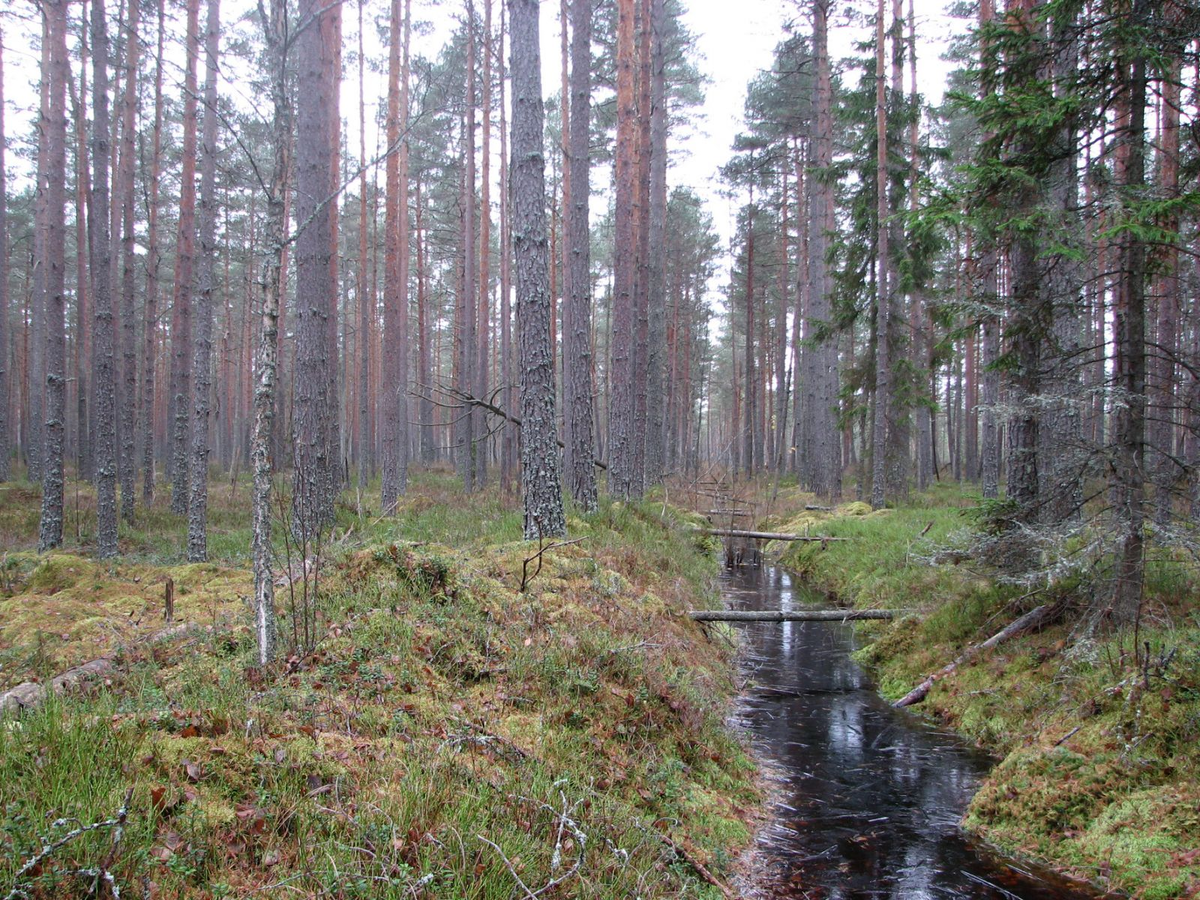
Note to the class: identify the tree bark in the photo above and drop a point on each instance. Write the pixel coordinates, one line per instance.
(883, 303)
(1129, 326)
(577, 310)
(315, 408)
(4, 354)
(54, 133)
(275, 33)
(508, 445)
(483, 320)
(153, 265)
(365, 296)
(104, 362)
(988, 290)
(394, 292)
(656, 311)
(465, 306)
(623, 479)
(1166, 470)
(202, 332)
(181, 320)
(539, 448)
(127, 468)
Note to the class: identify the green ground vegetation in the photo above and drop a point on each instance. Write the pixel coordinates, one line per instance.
(1097, 731)
(447, 734)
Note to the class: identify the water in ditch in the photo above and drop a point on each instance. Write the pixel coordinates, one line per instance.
(867, 799)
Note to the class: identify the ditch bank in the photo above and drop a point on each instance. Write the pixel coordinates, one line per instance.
(1099, 768)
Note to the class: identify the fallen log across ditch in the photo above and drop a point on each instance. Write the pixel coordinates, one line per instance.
(790, 615)
(768, 535)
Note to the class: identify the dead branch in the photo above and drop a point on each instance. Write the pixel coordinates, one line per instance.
(34, 862)
(460, 399)
(543, 548)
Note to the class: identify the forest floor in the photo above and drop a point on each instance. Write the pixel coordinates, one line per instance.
(1097, 732)
(445, 733)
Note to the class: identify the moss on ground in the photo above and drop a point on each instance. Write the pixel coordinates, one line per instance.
(449, 735)
(1098, 735)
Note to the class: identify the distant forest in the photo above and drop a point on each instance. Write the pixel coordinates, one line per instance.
(202, 276)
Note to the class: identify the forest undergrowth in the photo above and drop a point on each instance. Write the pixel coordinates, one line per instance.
(465, 721)
(1096, 731)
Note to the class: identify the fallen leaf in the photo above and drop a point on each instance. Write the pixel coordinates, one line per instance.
(158, 797)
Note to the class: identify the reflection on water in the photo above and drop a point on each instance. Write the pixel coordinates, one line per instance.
(871, 797)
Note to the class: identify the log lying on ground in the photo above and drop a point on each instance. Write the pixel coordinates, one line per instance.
(31, 694)
(1031, 621)
(768, 535)
(790, 615)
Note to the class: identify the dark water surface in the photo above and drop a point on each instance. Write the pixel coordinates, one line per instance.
(870, 798)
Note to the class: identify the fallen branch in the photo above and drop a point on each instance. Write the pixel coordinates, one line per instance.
(1031, 621)
(34, 863)
(698, 867)
(790, 615)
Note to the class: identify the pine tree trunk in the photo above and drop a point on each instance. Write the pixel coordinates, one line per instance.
(315, 408)
(203, 307)
(577, 309)
(1061, 459)
(104, 362)
(482, 325)
(623, 478)
(366, 299)
(424, 362)
(1165, 467)
(749, 424)
(655, 295)
(465, 306)
(83, 313)
(127, 468)
(153, 265)
(883, 303)
(1129, 326)
(509, 441)
(822, 413)
(988, 292)
(402, 347)
(540, 482)
(54, 134)
(641, 356)
(181, 320)
(4, 354)
(394, 292)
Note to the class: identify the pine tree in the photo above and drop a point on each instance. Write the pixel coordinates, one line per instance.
(104, 362)
(127, 466)
(624, 478)
(540, 483)
(153, 265)
(577, 308)
(203, 303)
(53, 133)
(5, 451)
(181, 317)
